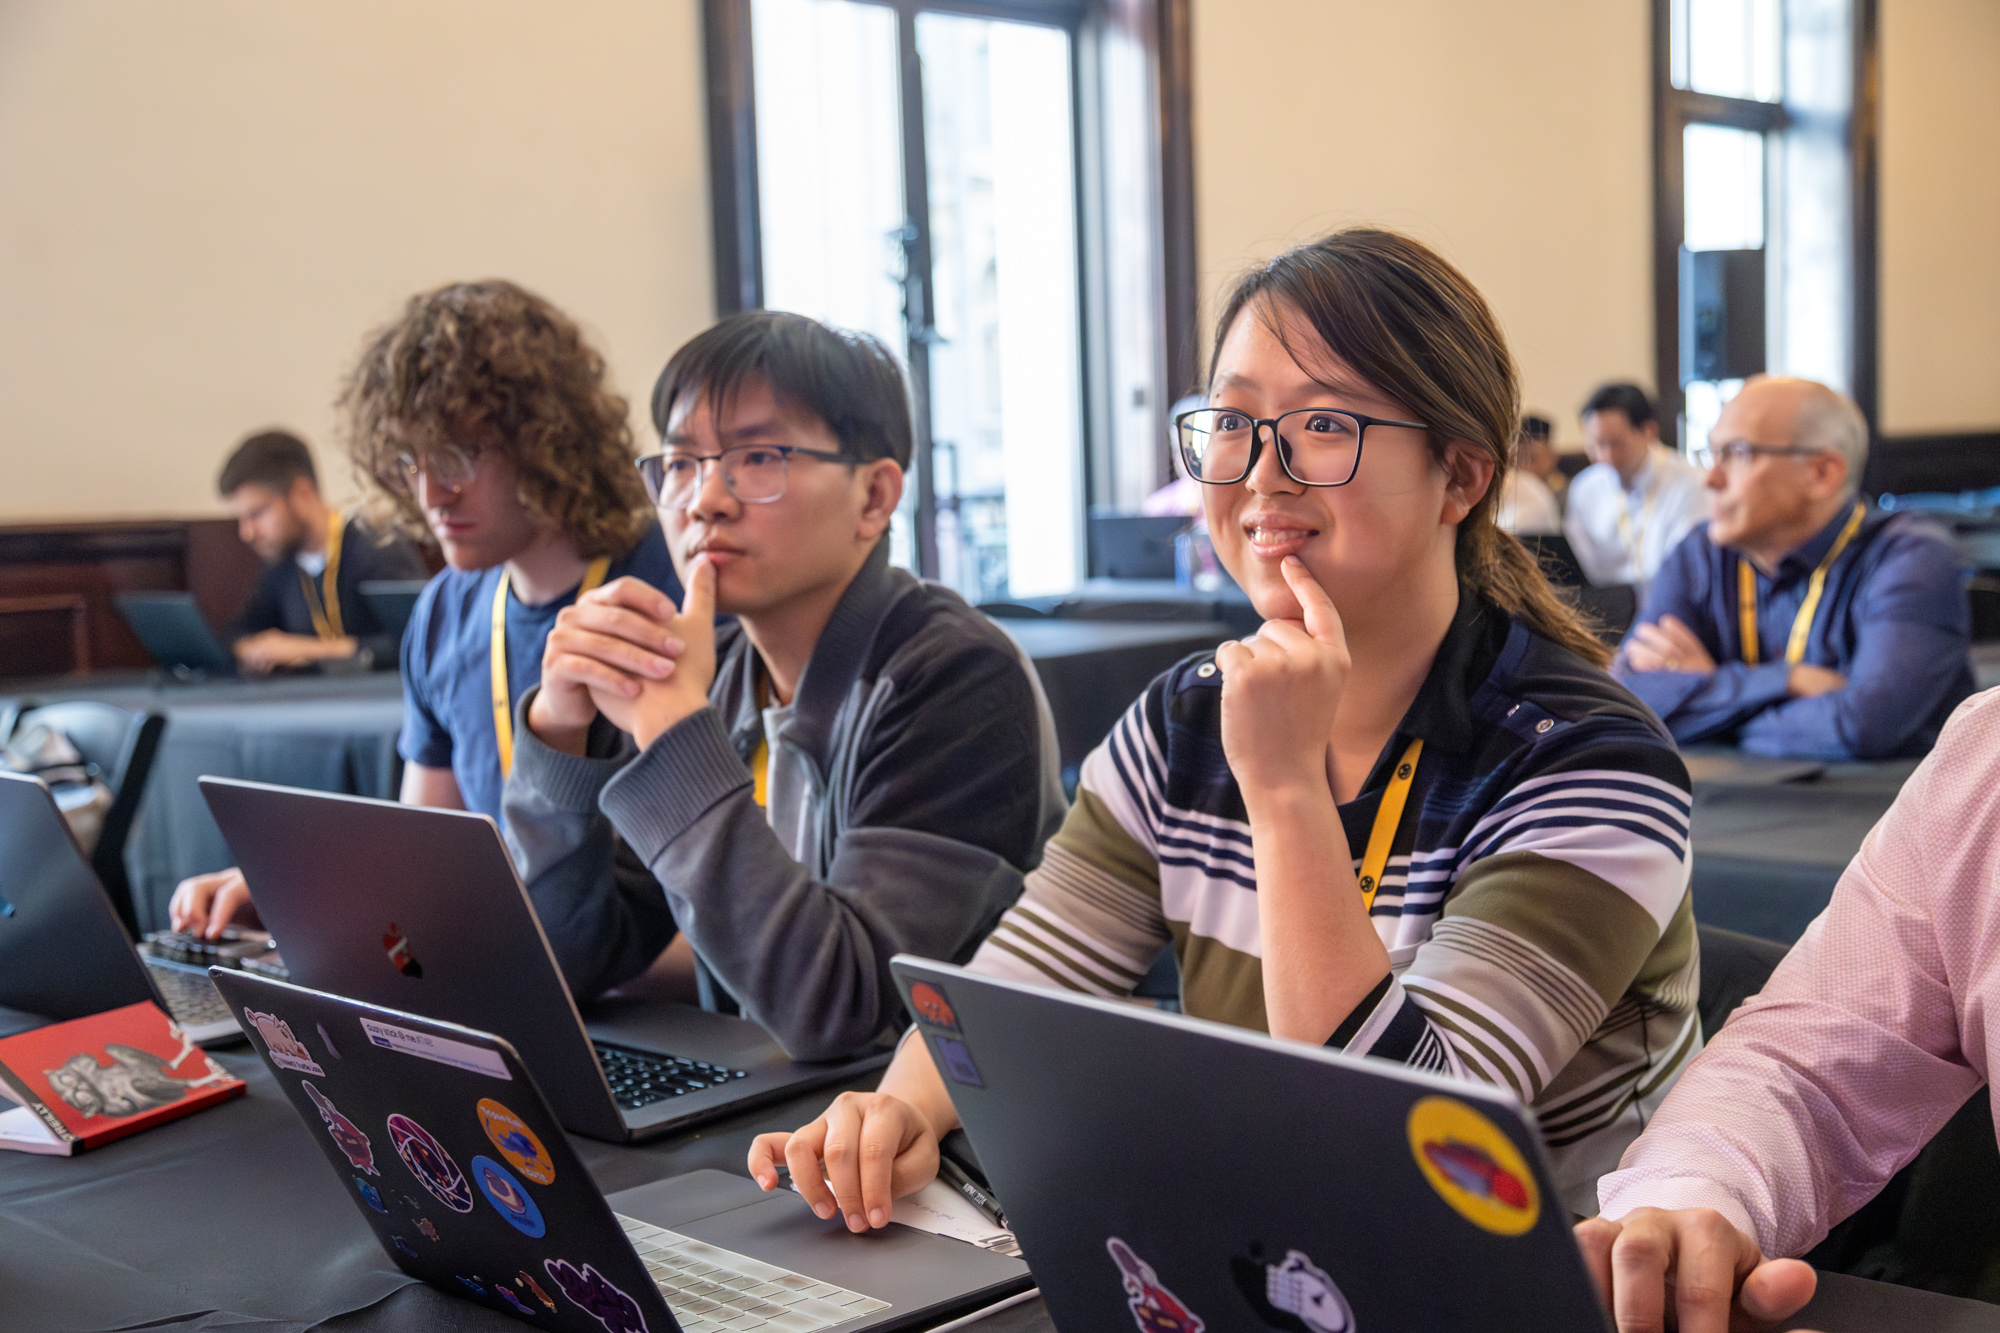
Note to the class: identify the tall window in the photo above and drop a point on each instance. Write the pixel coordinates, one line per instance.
(979, 187)
(1764, 225)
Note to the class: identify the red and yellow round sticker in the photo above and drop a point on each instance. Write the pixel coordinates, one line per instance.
(1474, 1167)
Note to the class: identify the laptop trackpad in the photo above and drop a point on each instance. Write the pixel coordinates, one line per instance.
(910, 1269)
(679, 1199)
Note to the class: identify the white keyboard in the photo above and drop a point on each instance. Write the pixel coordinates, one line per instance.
(711, 1289)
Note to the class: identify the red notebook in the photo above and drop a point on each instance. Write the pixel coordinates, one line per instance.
(86, 1082)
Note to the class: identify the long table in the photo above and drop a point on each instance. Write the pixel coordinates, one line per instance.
(229, 1219)
(1768, 854)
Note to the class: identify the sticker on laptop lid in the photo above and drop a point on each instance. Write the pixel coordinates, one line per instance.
(346, 1135)
(1154, 1308)
(404, 1247)
(430, 1232)
(371, 1194)
(507, 1295)
(958, 1063)
(604, 1302)
(1474, 1167)
(471, 1284)
(516, 1142)
(1293, 1293)
(430, 1163)
(931, 1006)
(508, 1197)
(457, 1054)
(534, 1288)
(287, 1051)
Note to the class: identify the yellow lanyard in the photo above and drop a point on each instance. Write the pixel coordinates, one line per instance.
(1388, 818)
(760, 758)
(1746, 597)
(1634, 544)
(503, 703)
(326, 610)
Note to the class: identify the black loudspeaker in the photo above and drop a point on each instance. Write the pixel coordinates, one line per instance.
(1722, 314)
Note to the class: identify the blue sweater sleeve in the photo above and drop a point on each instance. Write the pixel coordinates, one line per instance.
(1697, 706)
(1909, 653)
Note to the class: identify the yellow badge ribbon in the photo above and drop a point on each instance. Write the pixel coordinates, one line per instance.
(503, 702)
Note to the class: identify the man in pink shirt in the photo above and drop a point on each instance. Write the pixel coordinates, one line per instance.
(1871, 1033)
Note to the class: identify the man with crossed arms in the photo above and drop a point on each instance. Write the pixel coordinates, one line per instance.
(1799, 621)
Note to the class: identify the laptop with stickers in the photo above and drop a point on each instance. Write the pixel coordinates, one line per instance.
(63, 951)
(440, 1136)
(1173, 1175)
(420, 909)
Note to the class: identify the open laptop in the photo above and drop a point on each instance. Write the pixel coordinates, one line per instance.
(63, 951)
(420, 909)
(392, 601)
(175, 633)
(1169, 1173)
(441, 1138)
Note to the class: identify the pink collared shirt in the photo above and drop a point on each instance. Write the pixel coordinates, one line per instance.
(1871, 1033)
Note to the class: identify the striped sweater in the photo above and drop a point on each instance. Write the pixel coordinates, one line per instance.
(1535, 903)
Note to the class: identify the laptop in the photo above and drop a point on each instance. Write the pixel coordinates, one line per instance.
(441, 1138)
(63, 951)
(175, 633)
(420, 909)
(1170, 1173)
(392, 601)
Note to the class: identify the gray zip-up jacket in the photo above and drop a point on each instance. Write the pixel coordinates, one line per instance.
(911, 783)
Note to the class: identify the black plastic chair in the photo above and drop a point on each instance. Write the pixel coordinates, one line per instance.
(1609, 609)
(1733, 968)
(119, 746)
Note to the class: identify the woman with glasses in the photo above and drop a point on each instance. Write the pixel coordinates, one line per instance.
(482, 420)
(1412, 817)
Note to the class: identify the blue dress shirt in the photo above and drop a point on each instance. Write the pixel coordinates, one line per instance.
(1893, 619)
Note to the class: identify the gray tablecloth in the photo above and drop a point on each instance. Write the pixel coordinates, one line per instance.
(229, 1219)
(1767, 855)
(328, 733)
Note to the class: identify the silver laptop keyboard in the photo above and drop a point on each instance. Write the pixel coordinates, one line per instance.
(711, 1289)
(191, 997)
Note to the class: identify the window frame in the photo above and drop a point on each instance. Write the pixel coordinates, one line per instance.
(1163, 29)
(1676, 108)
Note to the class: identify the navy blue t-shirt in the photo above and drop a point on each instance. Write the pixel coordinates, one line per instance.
(448, 673)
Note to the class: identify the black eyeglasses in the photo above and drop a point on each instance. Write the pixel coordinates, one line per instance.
(1316, 446)
(756, 474)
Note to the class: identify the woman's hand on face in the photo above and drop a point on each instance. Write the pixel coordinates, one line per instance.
(1281, 690)
(864, 1152)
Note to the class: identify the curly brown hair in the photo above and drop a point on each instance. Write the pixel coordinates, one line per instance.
(491, 364)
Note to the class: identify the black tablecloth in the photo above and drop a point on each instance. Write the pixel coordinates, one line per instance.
(229, 1219)
(1092, 670)
(1767, 855)
(327, 733)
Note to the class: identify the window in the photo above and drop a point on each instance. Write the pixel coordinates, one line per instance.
(1765, 210)
(981, 188)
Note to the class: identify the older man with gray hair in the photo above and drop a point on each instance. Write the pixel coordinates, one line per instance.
(1798, 620)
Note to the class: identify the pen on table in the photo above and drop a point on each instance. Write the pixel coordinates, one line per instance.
(955, 1176)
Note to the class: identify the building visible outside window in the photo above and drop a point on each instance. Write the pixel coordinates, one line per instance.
(1756, 111)
(980, 191)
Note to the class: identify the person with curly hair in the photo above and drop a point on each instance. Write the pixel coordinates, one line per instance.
(858, 765)
(482, 419)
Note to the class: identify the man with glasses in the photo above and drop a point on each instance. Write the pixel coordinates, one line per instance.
(1799, 621)
(859, 765)
(483, 420)
(307, 609)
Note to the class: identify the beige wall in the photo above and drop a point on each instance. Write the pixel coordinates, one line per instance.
(205, 204)
(1940, 242)
(1513, 137)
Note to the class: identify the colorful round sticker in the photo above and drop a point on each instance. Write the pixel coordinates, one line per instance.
(507, 1196)
(1474, 1167)
(430, 1163)
(516, 1142)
